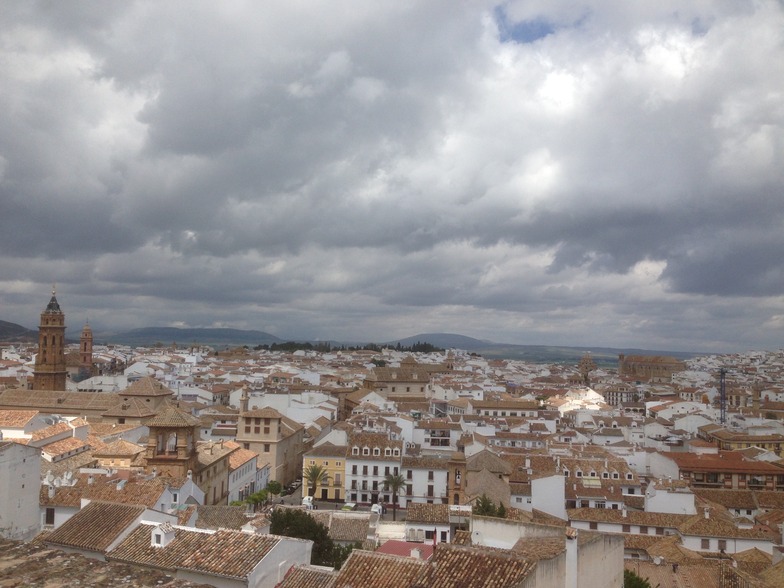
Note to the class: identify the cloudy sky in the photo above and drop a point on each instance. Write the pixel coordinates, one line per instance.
(597, 172)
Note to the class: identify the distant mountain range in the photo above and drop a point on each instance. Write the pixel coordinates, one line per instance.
(221, 338)
(11, 332)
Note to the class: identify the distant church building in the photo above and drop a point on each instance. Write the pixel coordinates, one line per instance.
(50, 369)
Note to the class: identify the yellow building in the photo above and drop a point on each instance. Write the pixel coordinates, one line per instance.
(333, 459)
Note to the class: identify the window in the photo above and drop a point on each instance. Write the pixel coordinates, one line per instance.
(409, 474)
(579, 474)
(643, 530)
(375, 470)
(430, 475)
(409, 490)
(629, 476)
(566, 473)
(705, 544)
(49, 516)
(430, 491)
(722, 545)
(376, 451)
(355, 451)
(354, 470)
(266, 448)
(600, 504)
(364, 470)
(396, 452)
(593, 525)
(365, 451)
(626, 529)
(659, 530)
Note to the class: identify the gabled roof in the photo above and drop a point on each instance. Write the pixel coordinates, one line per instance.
(307, 576)
(147, 386)
(377, 570)
(96, 526)
(469, 567)
(227, 553)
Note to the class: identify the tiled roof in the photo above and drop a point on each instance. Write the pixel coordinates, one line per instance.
(607, 515)
(307, 576)
(147, 386)
(132, 408)
(121, 447)
(233, 554)
(63, 446)
(405, 549)
(469, 567)
(96, 526)
(221, 517)
(487, 460)
(240, 456)
(378, 570)
(137, 492)
(539, 547)
(420, 512)
(16, 418)
(705, 575)
(173, 416)
(327, 450)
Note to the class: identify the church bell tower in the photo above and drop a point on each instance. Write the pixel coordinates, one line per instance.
(50, 372)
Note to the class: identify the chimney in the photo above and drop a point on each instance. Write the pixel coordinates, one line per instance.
(623, 512)
(528, 463)
(706, 512)
(416, 553)
(90, 479)
(51, 491)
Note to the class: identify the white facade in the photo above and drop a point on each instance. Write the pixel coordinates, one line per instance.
(549, 495)
(677, 501)
(20, 469)
(423, 485)
(365, 479)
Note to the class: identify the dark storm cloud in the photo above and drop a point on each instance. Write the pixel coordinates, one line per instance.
(590, 173)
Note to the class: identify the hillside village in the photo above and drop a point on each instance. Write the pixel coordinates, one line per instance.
(442, 469)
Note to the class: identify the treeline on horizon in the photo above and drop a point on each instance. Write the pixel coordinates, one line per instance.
(326, 347)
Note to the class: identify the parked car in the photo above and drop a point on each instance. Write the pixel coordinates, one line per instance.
(349, 506)
(307, 502)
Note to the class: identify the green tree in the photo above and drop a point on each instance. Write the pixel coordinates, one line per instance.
(314, 475)
(257, 498)
(291, 522)
(394, 482)
(274, 487)
(484, 507)
(632, 580)
(487, 508)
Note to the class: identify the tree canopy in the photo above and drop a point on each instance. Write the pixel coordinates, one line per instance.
(291, 522)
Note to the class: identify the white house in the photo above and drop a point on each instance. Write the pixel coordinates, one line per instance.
(20, 468)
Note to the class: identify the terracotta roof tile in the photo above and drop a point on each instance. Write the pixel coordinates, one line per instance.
(308, 576)
(378, 570)
(96, 526)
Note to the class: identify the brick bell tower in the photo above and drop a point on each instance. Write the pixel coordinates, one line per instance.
(86, 351)
(50, 372)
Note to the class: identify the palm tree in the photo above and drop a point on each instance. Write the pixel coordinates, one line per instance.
(394, 482)
(314, 475)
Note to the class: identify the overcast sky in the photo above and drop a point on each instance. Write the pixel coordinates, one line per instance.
(601, 172)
